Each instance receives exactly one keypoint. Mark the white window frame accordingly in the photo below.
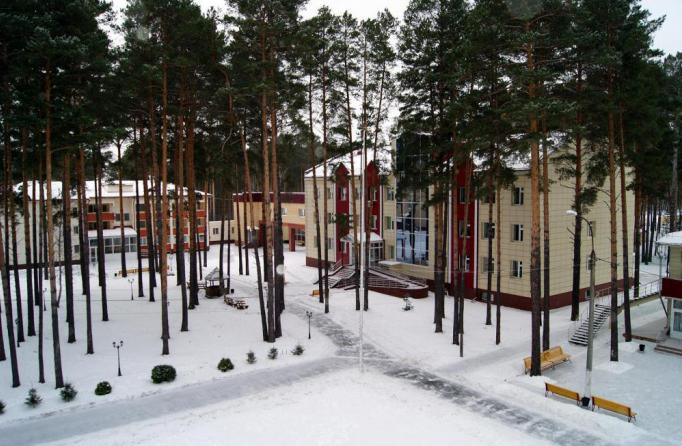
(519, 195)
(301, 212)
(517, 232)
(517, 269)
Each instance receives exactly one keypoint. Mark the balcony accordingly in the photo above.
(671, 288)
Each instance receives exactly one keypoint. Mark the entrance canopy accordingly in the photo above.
(671, 239)
(373, 238)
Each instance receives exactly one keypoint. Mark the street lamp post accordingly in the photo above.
(590, 329)
(310, 315)
(117, 346)
(131, 281)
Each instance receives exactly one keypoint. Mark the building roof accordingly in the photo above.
(109, 189)
(671, 239)
(384, 157)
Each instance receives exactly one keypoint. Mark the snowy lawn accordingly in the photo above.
(342, 408)
(216, 331)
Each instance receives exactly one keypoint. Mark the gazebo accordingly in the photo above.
(212, 283)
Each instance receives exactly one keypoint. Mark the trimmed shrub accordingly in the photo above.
(33, 399)
(272, 354)
(68, 392)
(2, 407)
(225, 364)
(163, 373)
(298, 350)
(103, 388)
(251, 357)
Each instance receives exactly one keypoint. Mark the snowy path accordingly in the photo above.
(83, 421)
(463, 396)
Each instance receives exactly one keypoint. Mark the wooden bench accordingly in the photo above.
(241, 304)
(549, 358)
(615, 407)
(562, 391)
(315, 293)
(229, 300)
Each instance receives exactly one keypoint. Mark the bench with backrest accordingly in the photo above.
(562, 391)
(615, 407)
(549, 358)
(241, 304)
(315, 293)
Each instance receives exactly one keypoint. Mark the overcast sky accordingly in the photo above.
(668, 38)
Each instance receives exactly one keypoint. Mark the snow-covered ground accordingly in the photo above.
(342, 408)
(332, 408)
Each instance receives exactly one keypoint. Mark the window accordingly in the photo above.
(330, 218)
(75, 229)
(412, 226)
(373, 221)
(462, 194)
(390, 193)
(388, 222)
(143, 240)
(301, 212)
(76, 249)
(284, 211)
(517, 196)
(517, 269)
(117, 217)
(126, 216)
(317, 242)
(375, 194)
(488, 265)
(677, 304)
(140, 207)
(464, 262)
(344, 193)
(143, 224)
(461, 229)
(517, 233)
(391, 251)
(215, 231)
(330, 243)
(588, 263)
(330, 193)
(487, 229)
(74, 211)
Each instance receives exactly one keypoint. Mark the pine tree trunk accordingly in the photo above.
(535, 295)
(614, 240)
(454, 186)
(163, 260)
(192, 211)
(124, 270)
(27, 237)
(56, 349)
(277, 249)
(239, 235)
(8, 315)
(624, 230)
(221, 257)
(545, 244)
(140, 285)
(438, 274)
(316, 196)
(252, 215)
(637, 231)
(180, 223)
(68, 266)
(247, 232)
(324, 187)
(41, 310)
(148, 206)
(17, 282)
(100, 237)
(84, 249)
(498, 259)
(489, 237)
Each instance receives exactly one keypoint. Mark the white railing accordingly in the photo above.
(603, 297)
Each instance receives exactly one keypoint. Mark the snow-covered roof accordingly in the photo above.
(384, 161)
(109, 189)
(116, 232)
(671, 239)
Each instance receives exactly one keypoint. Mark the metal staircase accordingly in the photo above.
(601, 314)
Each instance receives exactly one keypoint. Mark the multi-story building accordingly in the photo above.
(112, 220)
(403, 229)
(242, 227)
